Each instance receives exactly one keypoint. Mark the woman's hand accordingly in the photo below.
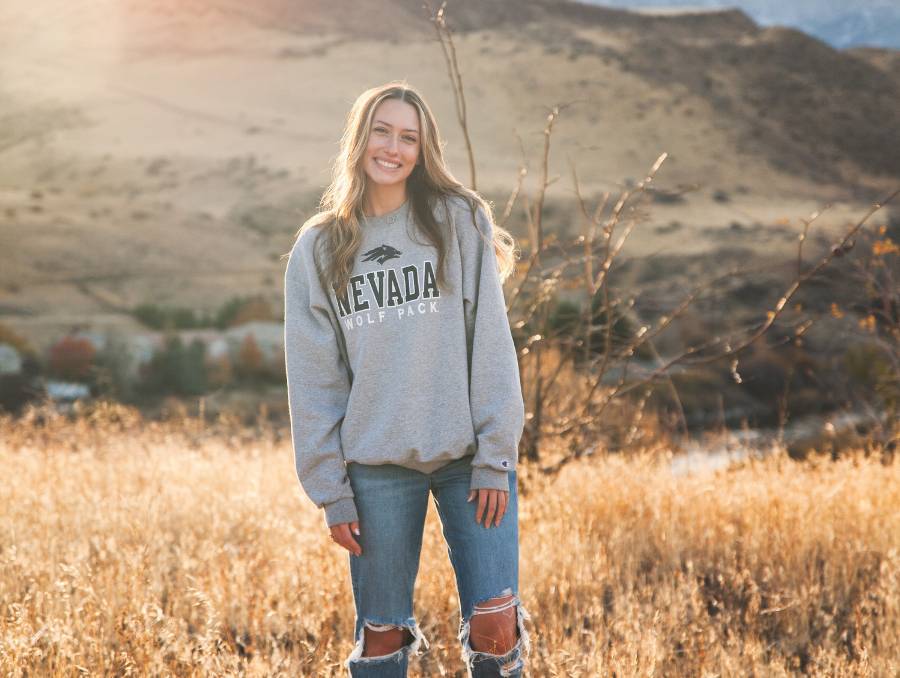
(341, 533)
(493, 500)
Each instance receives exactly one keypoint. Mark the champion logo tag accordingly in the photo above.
(505, 463)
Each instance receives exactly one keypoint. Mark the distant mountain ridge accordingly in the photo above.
(873, 23)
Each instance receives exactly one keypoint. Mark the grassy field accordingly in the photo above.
(182, 548)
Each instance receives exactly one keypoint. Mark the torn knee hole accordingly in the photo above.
(493, 627)
(375, 643)
(385, 639)
(507, 604)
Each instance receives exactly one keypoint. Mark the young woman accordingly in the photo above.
(403, 383)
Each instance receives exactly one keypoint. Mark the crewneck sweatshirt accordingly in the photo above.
(398, 370)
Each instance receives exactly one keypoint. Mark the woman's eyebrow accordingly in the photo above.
(390, 125)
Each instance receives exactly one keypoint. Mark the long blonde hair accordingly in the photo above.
(341, 205)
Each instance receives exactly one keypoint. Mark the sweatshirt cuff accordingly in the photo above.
(484, 477)
(341, 511)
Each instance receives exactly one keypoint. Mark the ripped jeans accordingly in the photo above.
(392, 502)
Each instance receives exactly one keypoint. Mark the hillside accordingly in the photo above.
(874, 23)
(167, 152)
(887, 60)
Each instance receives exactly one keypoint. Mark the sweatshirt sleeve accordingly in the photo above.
(495, 392)
(318, 387)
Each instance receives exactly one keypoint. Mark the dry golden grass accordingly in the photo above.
(137, 548)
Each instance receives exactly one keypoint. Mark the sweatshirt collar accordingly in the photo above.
(388, 218)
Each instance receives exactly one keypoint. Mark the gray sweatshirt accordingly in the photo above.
(423, 375)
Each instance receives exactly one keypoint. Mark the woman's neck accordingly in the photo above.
(383, 200)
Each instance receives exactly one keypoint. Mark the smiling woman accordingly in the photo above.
(403, 383)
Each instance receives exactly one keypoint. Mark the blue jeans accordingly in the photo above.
(392, 502)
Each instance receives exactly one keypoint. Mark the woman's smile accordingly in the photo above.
(387, 164)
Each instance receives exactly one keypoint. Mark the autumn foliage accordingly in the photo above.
(71, 358)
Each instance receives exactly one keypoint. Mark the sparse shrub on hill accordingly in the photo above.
(703, 396)
(785, 371)
(750, 293)
(177, 369)
(219, 371)
(21, 388)
(664, 197)
(873, 377)
(564, 318)
(113, 370)
(162, 318)
(150, 315)
(252, 309)
(622, 330)
(671, 227)
(226, 313)
(861, 300)
(892, 227)
(266, 219)
(235, 311)
(239, 310)
(250, 365)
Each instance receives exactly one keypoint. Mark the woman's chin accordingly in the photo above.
(383, 180)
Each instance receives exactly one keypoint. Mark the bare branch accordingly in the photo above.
(445, 37)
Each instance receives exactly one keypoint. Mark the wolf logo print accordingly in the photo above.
(382, 253)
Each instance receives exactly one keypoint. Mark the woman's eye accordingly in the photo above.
(411, 140)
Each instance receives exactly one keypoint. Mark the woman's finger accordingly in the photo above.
(491, 507)
(503, 499)
(354, 528)
(482, 502)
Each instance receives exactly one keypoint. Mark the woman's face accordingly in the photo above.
(393, 147)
